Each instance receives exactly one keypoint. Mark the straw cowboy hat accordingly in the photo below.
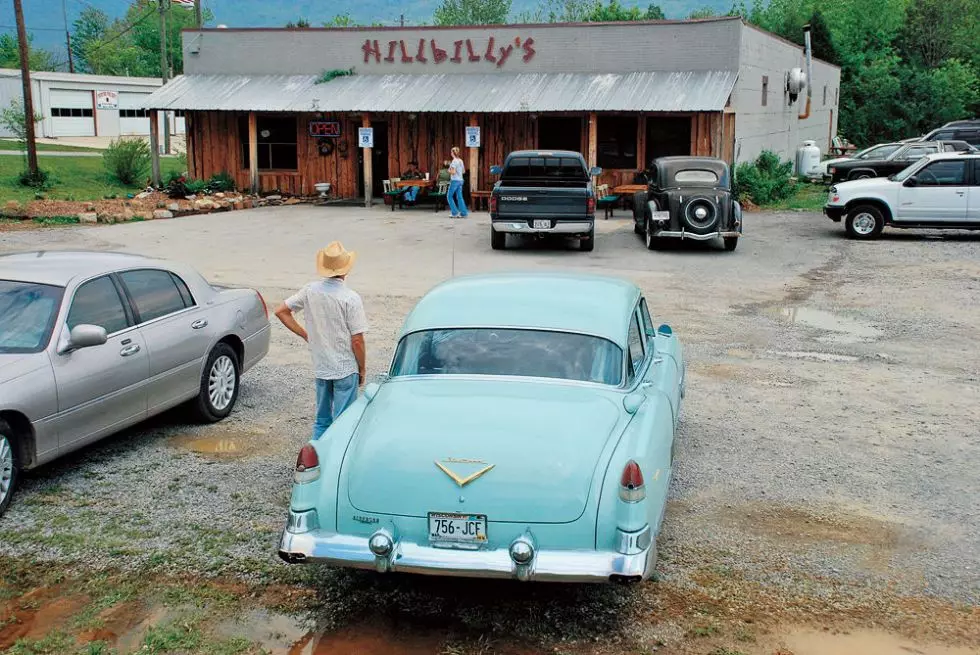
(334, 260)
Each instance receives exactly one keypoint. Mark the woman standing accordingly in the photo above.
(454, 197)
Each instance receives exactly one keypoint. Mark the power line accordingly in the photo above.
(122, 33)
(33, 29)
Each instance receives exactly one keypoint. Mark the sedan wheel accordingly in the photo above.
(8, 467)
(219, 385)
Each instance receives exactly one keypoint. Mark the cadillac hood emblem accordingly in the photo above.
(466, 471)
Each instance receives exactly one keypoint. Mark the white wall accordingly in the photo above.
(776, 126)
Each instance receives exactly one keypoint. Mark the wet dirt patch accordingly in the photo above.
(816, 356)
(802, 526)
(838, 328)
(34, 614)
(223, 443)
(740, 372)
(273, 632)
(861, 642)
(371, 639)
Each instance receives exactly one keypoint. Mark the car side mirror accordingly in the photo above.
(912, 181)
(596, 171)
(495, 170)
(85, 336)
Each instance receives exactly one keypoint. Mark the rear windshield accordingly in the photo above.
(546, 168)
(695, 176)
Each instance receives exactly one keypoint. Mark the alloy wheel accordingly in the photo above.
(6, 468)
(221, 382)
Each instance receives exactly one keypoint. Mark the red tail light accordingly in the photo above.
(590, 205)
(631, 488)
(307, 465)
(265, 308)
(493, 204)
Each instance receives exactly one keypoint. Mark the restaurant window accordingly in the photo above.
(276, 142)
(616, 142)
(560, 133)
(667, 136)
(765, 90)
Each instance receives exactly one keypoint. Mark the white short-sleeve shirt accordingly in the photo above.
(333, 313)
(456, 169)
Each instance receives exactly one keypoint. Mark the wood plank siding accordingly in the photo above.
(214, 144)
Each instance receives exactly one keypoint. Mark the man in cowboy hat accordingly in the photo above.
(335, 327)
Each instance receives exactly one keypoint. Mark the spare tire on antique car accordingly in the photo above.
(700, 214)
(641, 209)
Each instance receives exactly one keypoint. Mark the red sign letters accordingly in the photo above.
(463, 50)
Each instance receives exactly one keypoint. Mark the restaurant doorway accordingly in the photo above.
(560, 133)
(667, 136)
(379, 161)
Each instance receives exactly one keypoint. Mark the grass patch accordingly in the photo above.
(808, 197)
(78, 178)
(55, 643)
(172, 637)
(56, 220)
(11, 144)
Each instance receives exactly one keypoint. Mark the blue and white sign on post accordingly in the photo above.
(473, 136)
(365, 137)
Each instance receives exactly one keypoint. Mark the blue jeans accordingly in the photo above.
(332, 398)
(412, 193)
(455, 198)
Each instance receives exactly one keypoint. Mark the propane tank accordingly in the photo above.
(808, 160)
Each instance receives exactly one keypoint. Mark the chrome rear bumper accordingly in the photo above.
(406, 557)
(682, 234)
(560, 227)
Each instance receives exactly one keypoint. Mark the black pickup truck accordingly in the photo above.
(542, 194)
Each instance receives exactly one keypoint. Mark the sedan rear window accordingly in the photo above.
(27, 315)
(567, 168)
(509, 352)
(695, 176)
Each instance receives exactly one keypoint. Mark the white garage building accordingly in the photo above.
(88, 108)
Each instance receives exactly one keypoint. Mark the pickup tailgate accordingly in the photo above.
(518, 202)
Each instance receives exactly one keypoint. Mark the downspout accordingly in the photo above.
(809, 73)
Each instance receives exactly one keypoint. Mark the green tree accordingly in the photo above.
(654, 12)
(342, 20)
(591, 11)
(299, 24)
(821, 40)
(91, 25)
(703, 12)
(938, 30)
(37, 59)
(14, 118)
(472, 12)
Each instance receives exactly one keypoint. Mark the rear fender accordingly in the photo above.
(647, 440)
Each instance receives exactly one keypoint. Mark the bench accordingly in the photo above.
(604, 200)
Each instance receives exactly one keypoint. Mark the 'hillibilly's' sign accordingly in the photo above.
(427, 51)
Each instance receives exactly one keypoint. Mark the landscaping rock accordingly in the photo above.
(219, 195)
(145, 194)
(190, 197)
(162, 213)
(173, 207)
(88, 217)
(272, 198)
(204, 204)
(292, 201)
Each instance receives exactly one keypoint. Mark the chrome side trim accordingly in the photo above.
(548, 565)
(562, 227)
(302, 522)
(633, 543)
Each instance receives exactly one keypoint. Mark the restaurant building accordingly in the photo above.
(282, 109)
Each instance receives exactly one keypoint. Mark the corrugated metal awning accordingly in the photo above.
(505, 92)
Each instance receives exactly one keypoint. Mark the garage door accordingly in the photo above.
(71, 113)
(131, 119)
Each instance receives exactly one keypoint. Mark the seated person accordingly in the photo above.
(412, 193)
(443, 175)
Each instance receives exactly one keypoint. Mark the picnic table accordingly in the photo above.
(423, 184)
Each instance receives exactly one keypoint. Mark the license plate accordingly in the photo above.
(463, 529)
(542, 225)
(664, 216)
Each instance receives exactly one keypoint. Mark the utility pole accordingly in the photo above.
(197, 14)
(164, 66)
(25, 76)
(71, 61)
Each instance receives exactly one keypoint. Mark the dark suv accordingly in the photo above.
(968, 131)
(899, 160)
(687, 198)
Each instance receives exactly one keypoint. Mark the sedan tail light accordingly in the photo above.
(265, 308)
(631, 488)
(307, 465)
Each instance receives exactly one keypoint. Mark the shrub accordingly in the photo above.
(765, 181)
(127, 160)
(221, 182)
(40, 180)
(196, 186)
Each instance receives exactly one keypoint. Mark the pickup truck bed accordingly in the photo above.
(543, 194)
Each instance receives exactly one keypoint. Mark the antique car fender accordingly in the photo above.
(648, 440)
(737, 214)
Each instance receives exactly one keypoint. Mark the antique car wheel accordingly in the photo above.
(219, 385)
(731, 243)
(864, 222)
(641, 211)
(8, 466)
(497, 239)
(700, 215)
(653, 243)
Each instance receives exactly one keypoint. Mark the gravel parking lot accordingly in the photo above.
(828, 450)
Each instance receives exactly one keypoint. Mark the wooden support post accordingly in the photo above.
(155, 147)
(474, 164)
(593, 138)
(368, 165)
(253, 152)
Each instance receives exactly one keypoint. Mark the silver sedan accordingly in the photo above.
(93, 342)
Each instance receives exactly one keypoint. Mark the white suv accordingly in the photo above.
(938, 191)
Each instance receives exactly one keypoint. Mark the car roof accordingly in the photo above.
(59, 267)
(582, 303)
(544, 153)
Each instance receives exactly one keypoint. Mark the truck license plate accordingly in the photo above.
(542, 225)
(462, 529)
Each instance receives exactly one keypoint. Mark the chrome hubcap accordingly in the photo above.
(221, 382)
(864, 223)
(6, 467)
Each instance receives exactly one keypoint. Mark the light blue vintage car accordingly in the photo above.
(525, 430)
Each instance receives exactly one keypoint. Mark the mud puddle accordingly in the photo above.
(840, 329)
(32, 615)
(862, 642)
(223, 443)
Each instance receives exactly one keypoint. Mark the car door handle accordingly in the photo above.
(197, 325)
(131, 349)
(960, 193)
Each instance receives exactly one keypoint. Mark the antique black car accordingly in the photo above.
(688, 198)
